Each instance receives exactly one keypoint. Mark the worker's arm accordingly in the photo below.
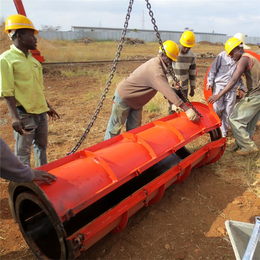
(17, 124)
(11, 168)
(192, 77)
(241, 67)
(213, 72)
(161, 84)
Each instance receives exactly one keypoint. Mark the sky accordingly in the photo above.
(221, 16)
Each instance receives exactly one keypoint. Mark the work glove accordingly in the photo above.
(192, 115)
(177, 109)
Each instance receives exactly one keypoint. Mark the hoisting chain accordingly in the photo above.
(111, 75)
(169, 66)
(113, 69)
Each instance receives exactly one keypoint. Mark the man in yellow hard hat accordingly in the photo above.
(21, 84)
(140, 87)
(246, 113)
(185, 67)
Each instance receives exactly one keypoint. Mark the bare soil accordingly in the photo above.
(187, 223)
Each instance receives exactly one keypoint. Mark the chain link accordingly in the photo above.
(113, 69)
(169, 66)
(111, 75)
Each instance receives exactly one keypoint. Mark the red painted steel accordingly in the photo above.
(90, 179)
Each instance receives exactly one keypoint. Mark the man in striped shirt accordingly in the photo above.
(185, 67)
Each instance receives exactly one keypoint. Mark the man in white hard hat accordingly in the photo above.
(241, 37)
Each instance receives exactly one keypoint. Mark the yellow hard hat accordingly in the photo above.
(171, 49)
(188, 39)
(18, 21)
(231, 44)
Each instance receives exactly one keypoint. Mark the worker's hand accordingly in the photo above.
(208, 87)
(191, 114)
(18, 126)
(178, 85)
(213, 99)
(53, 115)
(40, 175)
(192, 92)
(176, 109)
(241, 93)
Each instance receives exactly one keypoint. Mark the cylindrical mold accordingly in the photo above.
(100, 187)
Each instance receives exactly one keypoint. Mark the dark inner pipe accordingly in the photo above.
(122, 192)
(37, 227)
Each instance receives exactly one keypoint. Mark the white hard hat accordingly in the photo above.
(241, 37)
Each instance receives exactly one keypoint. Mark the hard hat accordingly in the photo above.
(171, 49)
(241, 37)
(231, 44)
(188, 39)
(18, 21)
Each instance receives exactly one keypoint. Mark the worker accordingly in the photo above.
(241, 37)
(11, 168)
(21, 85)
(140, 87)
(219, 75)
(246, 113)
(185, 67)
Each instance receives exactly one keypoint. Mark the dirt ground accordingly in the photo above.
(187, 223)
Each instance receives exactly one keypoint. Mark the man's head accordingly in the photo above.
(187, 41)
(171, 50)
(234, 48)
(18, 21)
(241, 37)
(21, 31)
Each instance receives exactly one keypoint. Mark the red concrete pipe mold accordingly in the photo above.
(99, 188)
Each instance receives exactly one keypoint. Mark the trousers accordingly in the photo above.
(243, 121)
(36, 135)
(224, 107)
(121, 114)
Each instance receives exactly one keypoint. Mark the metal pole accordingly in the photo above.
(250, 250)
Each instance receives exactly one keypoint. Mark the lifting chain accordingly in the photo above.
(113, 69)
(111, 75)
(169, 66)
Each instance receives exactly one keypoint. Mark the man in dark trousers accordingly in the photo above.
(21, 84)
(140, 87)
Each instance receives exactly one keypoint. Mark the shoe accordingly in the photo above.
(244, 151)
